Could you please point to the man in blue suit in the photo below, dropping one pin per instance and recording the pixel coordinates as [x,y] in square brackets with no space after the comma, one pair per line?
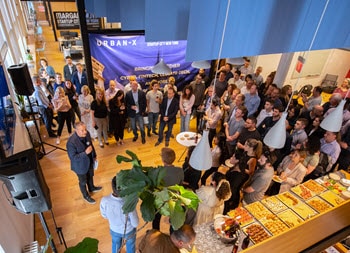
[82,155]
[168,111]
[79,78]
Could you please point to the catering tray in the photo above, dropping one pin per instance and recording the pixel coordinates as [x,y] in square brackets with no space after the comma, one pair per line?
[314,186]
[258,210]
[274,225]
[302,192]
[332,198]
[304,211]
[332,185]
[290,218]
[257,232]
[241,215]
[274,204]
[318,204]
[289,199]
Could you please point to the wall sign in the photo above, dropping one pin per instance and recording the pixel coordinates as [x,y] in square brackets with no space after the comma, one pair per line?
[66,20]
[119,57]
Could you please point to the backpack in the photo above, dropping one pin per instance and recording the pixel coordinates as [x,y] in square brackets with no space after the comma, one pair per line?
[324,165]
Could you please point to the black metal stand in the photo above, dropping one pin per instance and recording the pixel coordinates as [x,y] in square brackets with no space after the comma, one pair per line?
[59,231]
[38,132]
[47,232]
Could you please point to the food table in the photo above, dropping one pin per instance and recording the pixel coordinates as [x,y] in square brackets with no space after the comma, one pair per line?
[187,139]
[309,218]
[208,241]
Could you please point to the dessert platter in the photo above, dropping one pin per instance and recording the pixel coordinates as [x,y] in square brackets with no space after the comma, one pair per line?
[274,204]
[257,232]
[302,192]
[318,204]
[314,187]
[241,215]
[258,210]
[290,218]
[274,224]
[288,199]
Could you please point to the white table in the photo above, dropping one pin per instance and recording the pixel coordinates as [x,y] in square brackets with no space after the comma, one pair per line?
[187,139]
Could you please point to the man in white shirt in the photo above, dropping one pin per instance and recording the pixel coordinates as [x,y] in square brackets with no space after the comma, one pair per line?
[236,79]
[266,112]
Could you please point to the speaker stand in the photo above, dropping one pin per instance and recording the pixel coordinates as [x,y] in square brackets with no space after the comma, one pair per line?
[59,231]
[47,232]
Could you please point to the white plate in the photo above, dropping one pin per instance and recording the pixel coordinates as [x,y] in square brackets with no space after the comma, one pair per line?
[277,179]
[345,182]
[334,176]
[228,163]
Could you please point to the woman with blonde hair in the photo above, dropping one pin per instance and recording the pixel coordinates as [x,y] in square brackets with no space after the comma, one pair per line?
[212,198]
[99,113]
[63,107]
[84,101]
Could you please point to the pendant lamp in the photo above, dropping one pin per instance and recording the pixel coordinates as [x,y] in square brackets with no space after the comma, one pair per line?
[161,68]
[276,136]
[334,120]
[235,61]
[201,64]
[201,156]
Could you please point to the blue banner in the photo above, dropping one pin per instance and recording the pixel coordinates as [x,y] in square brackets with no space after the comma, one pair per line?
[123,56]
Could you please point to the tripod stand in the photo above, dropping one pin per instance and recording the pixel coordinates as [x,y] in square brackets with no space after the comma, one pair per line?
[38,131]
[48,234]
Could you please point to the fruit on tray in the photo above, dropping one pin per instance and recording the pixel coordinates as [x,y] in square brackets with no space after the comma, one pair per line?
[318,204]
[241,215]
[257,232]
[335,187]
[258,210]
[302,191]
[288,199]
[290,218]
[274,204]
[314,187]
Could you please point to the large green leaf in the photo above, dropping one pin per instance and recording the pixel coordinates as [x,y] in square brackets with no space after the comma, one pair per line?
[161,202]
[130,202]
[177,215]
[188,197]
[147,207]
[156,175]
[132,187]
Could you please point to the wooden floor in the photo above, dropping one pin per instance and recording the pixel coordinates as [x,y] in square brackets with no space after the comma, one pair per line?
[77,218]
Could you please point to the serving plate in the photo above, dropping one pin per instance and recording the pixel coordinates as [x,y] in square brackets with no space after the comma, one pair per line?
[241,215]
[318,204]
[332,198]
[257,232]
[258,210]
[290,218]
[277,179]
[302,191]
[314,186]
[274,225]
[274,204]
[289,199]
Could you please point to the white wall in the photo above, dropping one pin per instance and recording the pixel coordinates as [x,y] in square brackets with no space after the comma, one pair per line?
[338,63]
[16,229]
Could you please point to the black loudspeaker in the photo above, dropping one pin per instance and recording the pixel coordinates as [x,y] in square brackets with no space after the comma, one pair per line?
[23,178]
[21,79]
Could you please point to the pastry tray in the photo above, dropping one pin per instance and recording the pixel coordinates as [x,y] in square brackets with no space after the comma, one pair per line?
[332,198]
[258,210]
[290,218]
[314,186]
[257,232]
[274,204]
[241,215]
[289,199]
[302,191]
[304,211]
[318,204]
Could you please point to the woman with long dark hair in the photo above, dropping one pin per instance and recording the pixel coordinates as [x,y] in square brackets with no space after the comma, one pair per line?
[118,116]
[73,99]
[186,102]
[99,113]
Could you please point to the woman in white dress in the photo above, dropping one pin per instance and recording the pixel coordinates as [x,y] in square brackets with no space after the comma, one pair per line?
[84,101]
[213,197]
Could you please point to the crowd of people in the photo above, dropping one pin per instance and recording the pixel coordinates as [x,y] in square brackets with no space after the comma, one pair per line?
[237,107]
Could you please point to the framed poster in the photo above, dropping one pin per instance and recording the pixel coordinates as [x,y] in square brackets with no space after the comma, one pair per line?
[66,20]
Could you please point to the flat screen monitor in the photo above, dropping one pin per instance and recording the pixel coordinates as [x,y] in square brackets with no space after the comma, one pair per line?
[73,34]
[65,33]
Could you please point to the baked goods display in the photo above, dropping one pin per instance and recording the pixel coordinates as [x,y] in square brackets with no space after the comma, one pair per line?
[314,187]
[274,225]
[241,215]
[274,204]
[302,191]
[304,211]
[288,199]
[258,210]
[257,232]
[332,198]
[318,204]
[290,218]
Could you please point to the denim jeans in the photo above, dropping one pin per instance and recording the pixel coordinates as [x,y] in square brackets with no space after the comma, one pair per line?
[138,118]
[152,120]
[117,241]
[162,125]
[185,123]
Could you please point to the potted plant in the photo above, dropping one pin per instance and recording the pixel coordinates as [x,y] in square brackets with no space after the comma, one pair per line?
[145,184]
